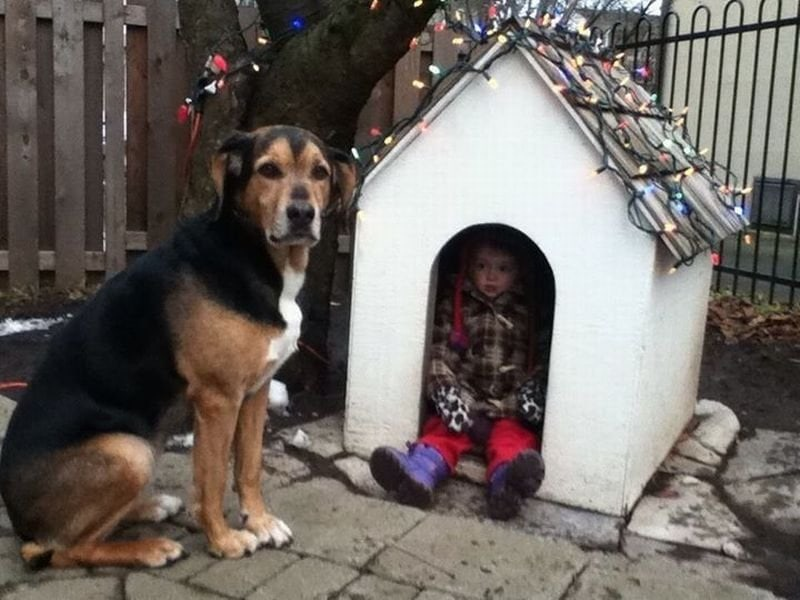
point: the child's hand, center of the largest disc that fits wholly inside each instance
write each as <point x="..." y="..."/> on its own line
<point x="531" y="399"/>
<point x="452" y="408"/>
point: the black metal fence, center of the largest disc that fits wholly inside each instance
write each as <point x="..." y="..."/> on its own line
<point x="734" y="65"/>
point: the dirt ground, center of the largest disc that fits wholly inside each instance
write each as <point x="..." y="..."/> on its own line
<point x="751" y="361"/>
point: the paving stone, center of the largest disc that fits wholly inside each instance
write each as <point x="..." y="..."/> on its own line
<point x="691" y="448"/>
<point x="277" y="463"/>
<point x="674" y="463"/>
<point x="174" y="472"/>
<point x="241" y="576"/>
<point x="367" y="587"/>
<point x="357" y="471"/>
<point x="466" y="499"/>
<point x="326" y="435"/>
<point x="332" y="523"/>
<point x="717" y="427"/>
<point x="308" y="579"/>
<point x="478" y="559"/>
<point x="144" y="586"/>
<point x="773" y="501"/>
<point x="687" y="511"/>
<point x="765" y="454"/>
<point x="655" y="579"/>
<point x="472" y="469"/>
<point x="637" y="547"/>
<point x="12" y="570"/>
<point x="434" y="595"/>
<point x="90" y="588"/>
<point x="9" y="546"/>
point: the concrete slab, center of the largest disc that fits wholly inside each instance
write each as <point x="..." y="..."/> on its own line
<point x="479" y="559"/>
<point x="90" y="588"/>
<point x="765" y="454"/>
<point x="284" y="467"/>
<point x="434" y="595"/>
<point x="687" y="511"/>
<point x="174" y="471"/>
<point x="330" y="522"/>
<point x="655" y="579"/>
<point x="357" y="471"/>
<point x="308" y="579"/>
<point x="146" y="586"/>
<point x="717" y="427"/>
<point x="326" y="435"/>
<point x="369" y="586"/>
<point x="242" y="576"/>
<point x="774" y="501"/>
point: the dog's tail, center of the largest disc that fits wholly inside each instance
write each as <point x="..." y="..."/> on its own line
<point x="35" y="555"/>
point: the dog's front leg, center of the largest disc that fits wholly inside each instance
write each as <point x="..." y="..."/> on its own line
<point x="215" y="423"/>
<point x="247" y="472"/>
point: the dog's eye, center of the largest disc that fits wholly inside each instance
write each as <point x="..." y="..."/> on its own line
<point x="320" y="172"/>
<point x="270" y="170"/>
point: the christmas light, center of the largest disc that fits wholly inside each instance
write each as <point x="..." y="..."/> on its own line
<point x="738" y="210"/>
<point x="298" y="23"/>
<point x="435" y="70"/>
<point x="354" y="151"/>
<point x="457" y="41"/>
<point x="418" y="3"/>
<point x="715" y="259"/>
<point x="374" y="131"/>
<point x="255" y="67"/>
<point x="375" y="5"/>
<point x="418" y="84"/>
<point x="413" y="43"/>
<point x="642" y="169"/>
<point x="388" y="140"/>
<point x="748" y="239"/>
<point x="262" y="39"/>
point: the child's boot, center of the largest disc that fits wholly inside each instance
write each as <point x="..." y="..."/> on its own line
<point x="413" y="476"/>
<point x="512" y="481"/>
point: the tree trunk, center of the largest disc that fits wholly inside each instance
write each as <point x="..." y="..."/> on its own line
<point x="320" y="80"/>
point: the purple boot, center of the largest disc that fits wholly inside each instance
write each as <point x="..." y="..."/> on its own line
<point x="512" y="481"/>
<point x="412" y="476"/>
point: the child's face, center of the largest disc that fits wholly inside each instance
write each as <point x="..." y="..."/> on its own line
<point x="492" y="271"/>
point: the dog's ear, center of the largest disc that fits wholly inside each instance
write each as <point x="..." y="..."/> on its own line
<point x="345" y="178"/>
<point x="228" y="164"/>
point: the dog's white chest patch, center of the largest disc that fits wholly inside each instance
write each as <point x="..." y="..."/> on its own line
<point x="282" y="347"/>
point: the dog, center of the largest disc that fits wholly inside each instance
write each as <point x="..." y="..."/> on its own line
<point x="200" y="323"/>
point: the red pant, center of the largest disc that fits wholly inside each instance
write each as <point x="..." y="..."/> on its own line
<point x="507" y="439"/>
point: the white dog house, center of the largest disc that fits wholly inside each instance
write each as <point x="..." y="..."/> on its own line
<point x="627" y="328"/>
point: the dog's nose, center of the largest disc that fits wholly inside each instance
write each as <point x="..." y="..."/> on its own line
<point x="300" y="214"/>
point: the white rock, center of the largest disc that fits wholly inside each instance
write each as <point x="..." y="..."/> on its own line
<point x="278" y="397"/>
<point x="718" y="426"/>
<point x="691" y="448"/>
<point x="300" y="439"/>
<point x="734" y="549"/>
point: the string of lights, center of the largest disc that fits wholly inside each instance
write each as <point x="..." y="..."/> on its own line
<point x="674" y="191"/>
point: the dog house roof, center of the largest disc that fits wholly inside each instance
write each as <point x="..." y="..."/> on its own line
<point x="675" y="192"/>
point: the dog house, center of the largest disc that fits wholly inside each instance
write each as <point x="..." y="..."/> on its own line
<point x="580" y="173"/>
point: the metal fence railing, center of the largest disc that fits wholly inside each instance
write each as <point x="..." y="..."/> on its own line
<point x="734" y="65"/>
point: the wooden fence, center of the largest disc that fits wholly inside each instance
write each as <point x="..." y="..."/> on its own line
<point x="89" y="145"/>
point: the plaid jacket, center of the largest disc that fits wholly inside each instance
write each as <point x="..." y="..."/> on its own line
<point x="490" y="376"/>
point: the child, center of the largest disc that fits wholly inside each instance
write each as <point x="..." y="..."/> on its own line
<point x="481" y="386"/>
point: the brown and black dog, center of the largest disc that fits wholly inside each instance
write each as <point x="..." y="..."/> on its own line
<point x="202" y="322"/>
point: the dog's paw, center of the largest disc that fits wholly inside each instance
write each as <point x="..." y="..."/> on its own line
<point x="235" y="543"/>
<point x="159" y="552"/>
<point x="270" y="531"/>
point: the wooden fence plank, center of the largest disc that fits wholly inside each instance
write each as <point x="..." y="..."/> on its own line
<point x="92" y="12"/>
<point x="114" y="161"/>
<point x="45" y="134"/>
<point x="161" y="124"/>
<point x="20" y="30"/>
<point x="68" y="95"/>
<point x="136" y="147"/>
<point x="93" y="133"/>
